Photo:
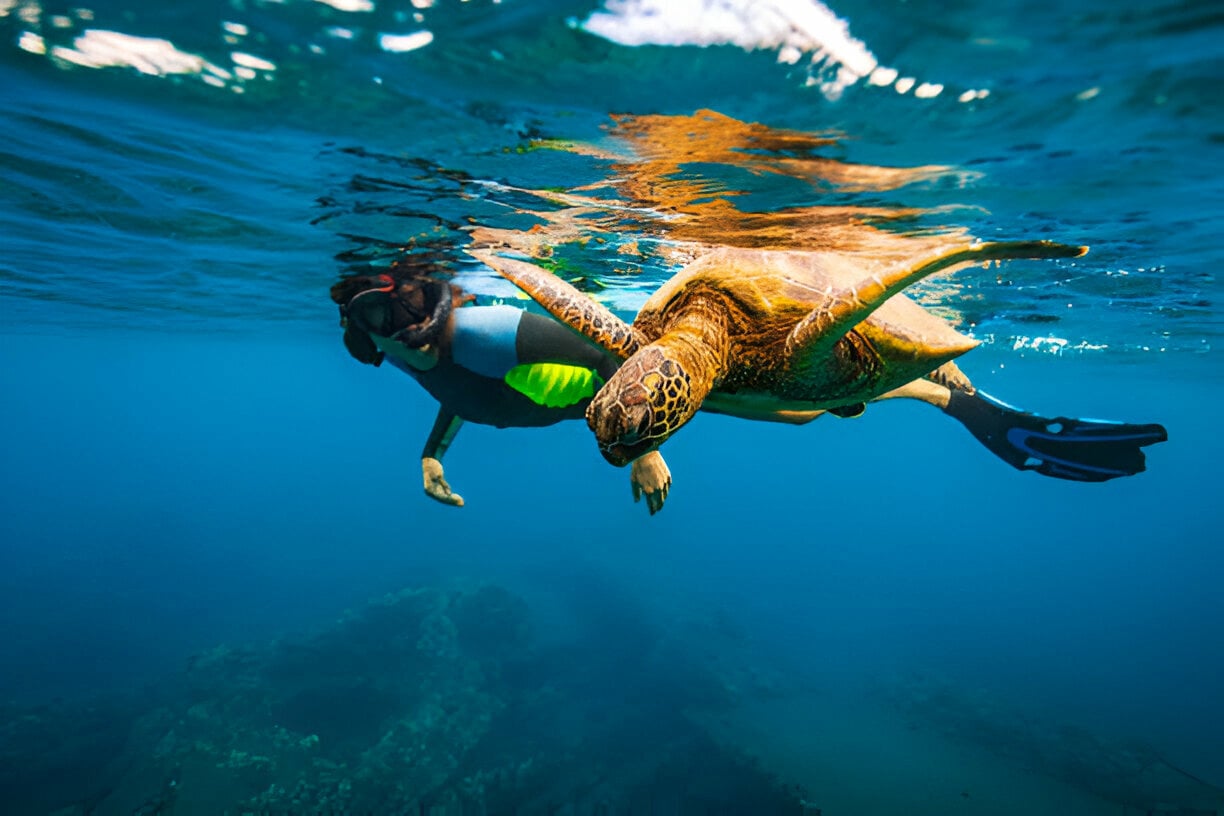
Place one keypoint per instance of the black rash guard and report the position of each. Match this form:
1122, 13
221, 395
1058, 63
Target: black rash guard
488, 343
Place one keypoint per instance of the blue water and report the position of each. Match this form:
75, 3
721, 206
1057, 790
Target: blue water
895, 621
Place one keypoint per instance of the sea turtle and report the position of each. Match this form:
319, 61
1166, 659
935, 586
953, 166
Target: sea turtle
787, 335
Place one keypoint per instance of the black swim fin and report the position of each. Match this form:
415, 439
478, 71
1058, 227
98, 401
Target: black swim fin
1082, 450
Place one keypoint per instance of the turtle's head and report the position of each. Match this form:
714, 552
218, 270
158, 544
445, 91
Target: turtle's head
642, 404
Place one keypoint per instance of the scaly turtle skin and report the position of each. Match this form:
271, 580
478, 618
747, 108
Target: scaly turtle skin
756, 333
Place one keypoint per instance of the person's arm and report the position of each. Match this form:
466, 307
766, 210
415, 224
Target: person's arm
444, 429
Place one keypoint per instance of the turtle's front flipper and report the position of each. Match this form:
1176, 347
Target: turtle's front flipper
818, 332
1082, 450
650, 476
567, 304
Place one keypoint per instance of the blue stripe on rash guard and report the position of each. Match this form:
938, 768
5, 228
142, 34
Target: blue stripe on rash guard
484, 339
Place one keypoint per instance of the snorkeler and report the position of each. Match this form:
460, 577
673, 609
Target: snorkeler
492, 365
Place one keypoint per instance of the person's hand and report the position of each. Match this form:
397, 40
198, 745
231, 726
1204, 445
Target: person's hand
435, 485
649, 475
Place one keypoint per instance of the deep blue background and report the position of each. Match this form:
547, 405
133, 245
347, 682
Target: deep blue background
190, 457
166, 492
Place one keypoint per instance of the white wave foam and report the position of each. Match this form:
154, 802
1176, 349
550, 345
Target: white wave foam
405, 42
349, 5
96, 48
1055, 345
791, 27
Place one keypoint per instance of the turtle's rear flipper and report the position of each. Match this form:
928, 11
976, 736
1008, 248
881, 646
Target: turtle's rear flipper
1082, 450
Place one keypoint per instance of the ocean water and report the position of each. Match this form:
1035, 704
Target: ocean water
222, 590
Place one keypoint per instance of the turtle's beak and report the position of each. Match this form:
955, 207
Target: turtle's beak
620, 455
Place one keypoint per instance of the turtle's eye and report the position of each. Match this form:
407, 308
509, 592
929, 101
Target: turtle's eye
643, 427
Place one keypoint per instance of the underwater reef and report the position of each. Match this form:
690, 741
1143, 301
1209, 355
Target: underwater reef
466, 700
1130, 774
427, 701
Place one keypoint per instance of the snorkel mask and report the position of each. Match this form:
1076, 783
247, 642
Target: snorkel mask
413, 311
